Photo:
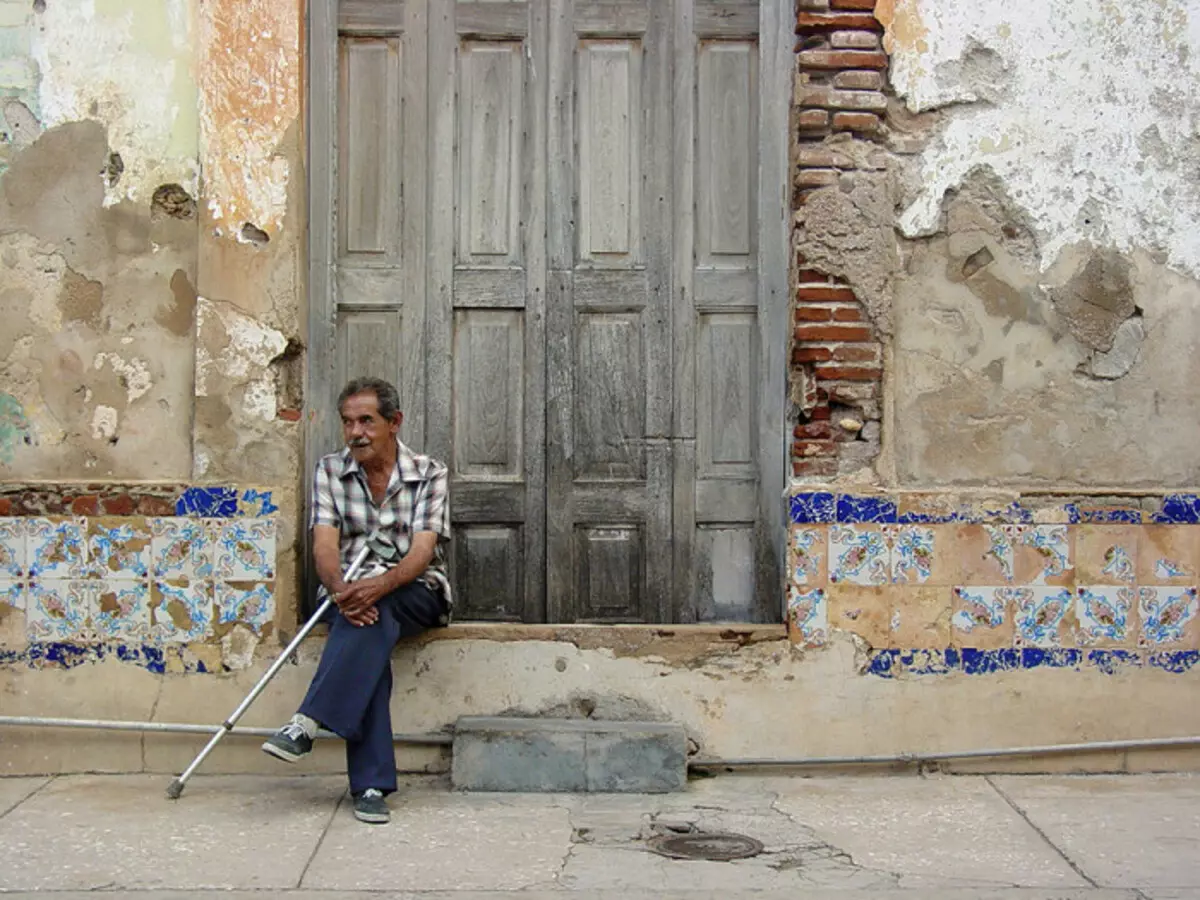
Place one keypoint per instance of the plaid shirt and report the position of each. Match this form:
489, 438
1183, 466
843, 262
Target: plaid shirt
417, 499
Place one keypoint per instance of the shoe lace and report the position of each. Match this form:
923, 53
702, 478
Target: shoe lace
293, 731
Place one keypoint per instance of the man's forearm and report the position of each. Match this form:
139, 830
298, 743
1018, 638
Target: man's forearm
328, 564
411, 567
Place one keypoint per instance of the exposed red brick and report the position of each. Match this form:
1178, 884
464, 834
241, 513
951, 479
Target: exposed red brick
848, 373
814, 448
856, 353
87, 505
863, 122
811, 354
155, 506
817, 157
822, 294
809, 21
812, 120
812, 275
118, 505
807, 178
854, 40
843, 59
814, 468
814, 313
5, 506
819, 413
813, 430
853, 4
858, 80
847, 314
832, 333
832, 98
289, 415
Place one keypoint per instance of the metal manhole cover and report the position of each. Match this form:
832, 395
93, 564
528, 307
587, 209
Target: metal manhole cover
715, 846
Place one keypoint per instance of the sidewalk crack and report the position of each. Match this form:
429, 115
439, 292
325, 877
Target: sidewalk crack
150, 718
321, 840
37, 790
1020, 812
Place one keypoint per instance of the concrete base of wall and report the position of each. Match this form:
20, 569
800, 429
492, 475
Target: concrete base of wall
736, 692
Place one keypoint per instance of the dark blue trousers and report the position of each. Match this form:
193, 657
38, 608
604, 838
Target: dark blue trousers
351, 692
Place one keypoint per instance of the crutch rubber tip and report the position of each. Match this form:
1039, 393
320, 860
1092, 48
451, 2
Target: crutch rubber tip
174, 789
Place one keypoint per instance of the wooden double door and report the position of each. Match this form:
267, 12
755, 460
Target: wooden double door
560, 227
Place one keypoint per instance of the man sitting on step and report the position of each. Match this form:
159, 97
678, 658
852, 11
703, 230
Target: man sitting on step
373, 484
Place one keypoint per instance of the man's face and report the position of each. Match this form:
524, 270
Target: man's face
369, 435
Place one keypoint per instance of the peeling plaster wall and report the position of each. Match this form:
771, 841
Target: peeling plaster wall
1047, 314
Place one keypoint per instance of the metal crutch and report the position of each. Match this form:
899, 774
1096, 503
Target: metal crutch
375, 544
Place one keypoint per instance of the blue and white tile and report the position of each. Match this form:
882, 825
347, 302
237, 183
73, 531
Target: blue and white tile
120, 610
852, 509
818, 508
1105, 615
249, 604
13, 555
1043, 555
1041, 616
118, 549
57, 548
12, 593
59, 610
807, 555
208, 502
912, 553
982, 617
180, 549
182, 613
1169, 616
858, 554
254, 502
1179, 509
244, 550
808, 614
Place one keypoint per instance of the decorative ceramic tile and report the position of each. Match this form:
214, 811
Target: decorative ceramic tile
852, 509
807, 555
244, 550
1106, 554
980, 554
1168, 616
1169, 554
808, 616
59, 610
1042, 555
977, 661
815, 508
858, 554
1104, 616
120, 610
982, 617
249, 604
1177, 662
208, 502
927, 509
181, 613
13, 559
1179, 509
912, 553
1040, 616
12, 593
864, 611
1090, 514
1112, 661
118, 549
254, 502
180, 549
920, 618
57, 548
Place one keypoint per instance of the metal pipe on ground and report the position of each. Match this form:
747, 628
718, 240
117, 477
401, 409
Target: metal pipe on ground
943, 756
428, 739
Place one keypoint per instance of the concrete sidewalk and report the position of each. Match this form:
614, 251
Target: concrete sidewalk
978, 838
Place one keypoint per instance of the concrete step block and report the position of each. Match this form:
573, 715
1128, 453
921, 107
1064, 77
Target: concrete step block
568, 755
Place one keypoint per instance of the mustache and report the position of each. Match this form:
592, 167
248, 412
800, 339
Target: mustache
360, 442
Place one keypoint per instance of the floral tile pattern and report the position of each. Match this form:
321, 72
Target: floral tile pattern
1169, 554
1106, 554
808, 616
180, 549
249, 604
120, 610
244, 550
807, 555
1040, 616
1104, 614
982, 617
13, 559
12, 593
59, 610
181, 613
1168, 616
858, 555
118, 549
912, 555
1042, 555
57, 548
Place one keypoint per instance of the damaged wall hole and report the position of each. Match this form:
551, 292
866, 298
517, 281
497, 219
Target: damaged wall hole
172, 201
289, 379
252, 234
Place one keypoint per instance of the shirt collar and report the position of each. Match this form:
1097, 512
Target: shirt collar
412, 466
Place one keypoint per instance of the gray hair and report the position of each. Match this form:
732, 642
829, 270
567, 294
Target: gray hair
385, 393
